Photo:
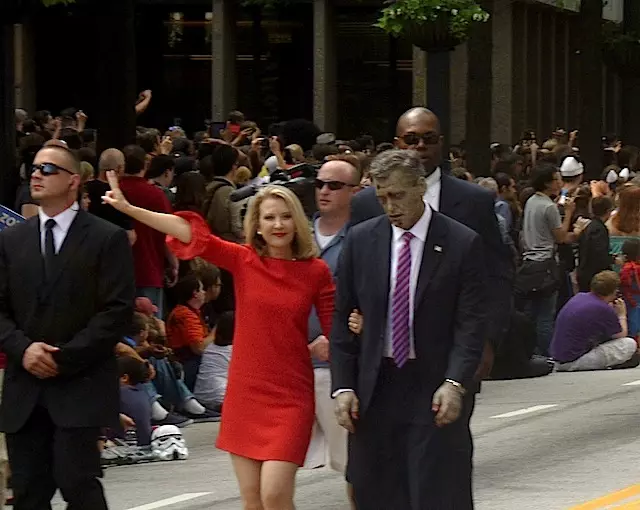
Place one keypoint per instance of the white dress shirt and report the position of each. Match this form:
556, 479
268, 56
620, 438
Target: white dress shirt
63, 224
419, 231
434, 187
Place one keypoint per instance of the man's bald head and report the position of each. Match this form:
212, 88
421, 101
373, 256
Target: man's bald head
419, 129
415, 115
111, 159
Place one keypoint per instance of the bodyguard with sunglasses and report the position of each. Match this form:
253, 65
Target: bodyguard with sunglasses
66, 294
337, 181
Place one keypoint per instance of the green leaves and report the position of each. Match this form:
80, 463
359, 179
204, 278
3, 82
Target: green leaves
266, 4
460, 15
49, 3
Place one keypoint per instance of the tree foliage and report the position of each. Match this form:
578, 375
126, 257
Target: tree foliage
49, 3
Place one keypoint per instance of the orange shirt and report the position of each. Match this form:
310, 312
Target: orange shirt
185, 327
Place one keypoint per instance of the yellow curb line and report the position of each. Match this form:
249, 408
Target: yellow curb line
610, 499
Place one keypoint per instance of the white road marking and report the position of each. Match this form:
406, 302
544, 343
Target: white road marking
634, 383
526, 410
171, 501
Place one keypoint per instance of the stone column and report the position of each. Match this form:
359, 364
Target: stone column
458, 93
223, 52
24, 69
502, 66
324, 67
419, 77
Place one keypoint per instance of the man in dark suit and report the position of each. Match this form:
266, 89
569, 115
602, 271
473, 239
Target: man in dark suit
418, 279
419, 129
66, 299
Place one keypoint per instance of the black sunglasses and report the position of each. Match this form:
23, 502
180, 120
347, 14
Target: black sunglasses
333, 185
427, 138
47, 169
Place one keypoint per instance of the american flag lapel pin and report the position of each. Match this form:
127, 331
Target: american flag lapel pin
437, 248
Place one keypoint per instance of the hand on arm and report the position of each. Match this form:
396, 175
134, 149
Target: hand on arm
319, 348
356, 322
347, 409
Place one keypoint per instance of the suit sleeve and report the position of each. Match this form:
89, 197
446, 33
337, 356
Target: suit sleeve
469, 317
325, 299
344, 346
497, 257
13, 341
116, 291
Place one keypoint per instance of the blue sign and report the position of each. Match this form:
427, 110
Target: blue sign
9, 218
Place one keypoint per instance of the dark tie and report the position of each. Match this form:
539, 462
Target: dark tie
49, 247
400, 304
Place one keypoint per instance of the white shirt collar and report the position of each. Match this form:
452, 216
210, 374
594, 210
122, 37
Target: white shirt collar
419, 230
63, 220
434, 178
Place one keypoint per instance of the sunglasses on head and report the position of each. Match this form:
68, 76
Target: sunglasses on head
333, 185
427, 138
47, 169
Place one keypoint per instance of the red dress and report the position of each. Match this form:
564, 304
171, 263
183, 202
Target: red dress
269, 406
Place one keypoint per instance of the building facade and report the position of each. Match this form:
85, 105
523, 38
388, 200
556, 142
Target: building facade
324, 60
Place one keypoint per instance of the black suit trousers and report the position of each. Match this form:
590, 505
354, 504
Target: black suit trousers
44, 457
399, 459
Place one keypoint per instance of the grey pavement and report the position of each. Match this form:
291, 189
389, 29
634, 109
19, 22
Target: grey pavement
545, 444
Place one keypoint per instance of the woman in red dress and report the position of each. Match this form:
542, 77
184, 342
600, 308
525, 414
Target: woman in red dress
268, 411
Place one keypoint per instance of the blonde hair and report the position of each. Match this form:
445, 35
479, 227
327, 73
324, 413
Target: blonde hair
303, 245
296, 152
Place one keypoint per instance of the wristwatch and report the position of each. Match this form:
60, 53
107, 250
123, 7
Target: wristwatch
457, 385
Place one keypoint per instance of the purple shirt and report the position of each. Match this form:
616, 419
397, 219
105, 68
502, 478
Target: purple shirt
584, 322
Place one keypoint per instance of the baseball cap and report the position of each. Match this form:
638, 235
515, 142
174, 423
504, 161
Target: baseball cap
145, 306
326, 139
571, 167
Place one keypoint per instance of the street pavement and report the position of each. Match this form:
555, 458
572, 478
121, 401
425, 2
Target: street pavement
552, 443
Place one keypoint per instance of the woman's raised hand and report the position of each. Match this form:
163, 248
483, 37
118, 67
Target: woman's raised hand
115, 197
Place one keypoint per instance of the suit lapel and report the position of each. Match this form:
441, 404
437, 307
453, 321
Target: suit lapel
33, 254
434, 249
75, 236
449, 199
382, 254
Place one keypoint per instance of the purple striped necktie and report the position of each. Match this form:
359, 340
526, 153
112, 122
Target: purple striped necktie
400, 304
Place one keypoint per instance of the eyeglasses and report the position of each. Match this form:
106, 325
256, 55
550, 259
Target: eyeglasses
333, 185
47, 169
427, 138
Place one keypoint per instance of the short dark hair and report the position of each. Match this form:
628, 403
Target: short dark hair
205, 271
72, 138
503, 179
631, 249
148, 140
138, 371
139, 323
181, 146
185, 288
601, 206
236, 117
135, 159
321, 151
192, 190
224, 329
506, 163
542, 174
223, 159
605, 283
159, 165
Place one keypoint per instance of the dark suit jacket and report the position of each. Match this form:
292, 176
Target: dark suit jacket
84, 309
595, 254
448, 323
466, 203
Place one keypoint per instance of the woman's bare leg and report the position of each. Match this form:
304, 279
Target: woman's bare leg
277, 485
248, 476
